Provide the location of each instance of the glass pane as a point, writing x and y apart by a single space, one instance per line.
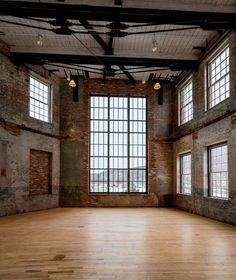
117 145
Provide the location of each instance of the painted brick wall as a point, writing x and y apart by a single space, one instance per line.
40 172
75 137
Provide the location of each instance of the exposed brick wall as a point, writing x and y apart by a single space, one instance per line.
201 116
40 172
207 128
75 138
20 134
14 94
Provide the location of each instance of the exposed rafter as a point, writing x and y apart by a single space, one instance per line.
207 20
42 58
129 76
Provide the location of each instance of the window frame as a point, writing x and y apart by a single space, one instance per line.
128 192
213 57
182 86
180 171
44 82
209 172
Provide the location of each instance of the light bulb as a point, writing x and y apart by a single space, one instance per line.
154 48
72 83
157 86
154 44
40 40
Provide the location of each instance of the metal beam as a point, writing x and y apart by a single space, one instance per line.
94 34
42 58
129 76
207 20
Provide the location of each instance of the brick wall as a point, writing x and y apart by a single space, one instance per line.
75 137
20 133
207 128
40 172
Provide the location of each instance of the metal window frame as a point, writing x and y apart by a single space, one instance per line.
128 145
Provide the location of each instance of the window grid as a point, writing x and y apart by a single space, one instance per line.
118 144
186 103
39 100
218 171
218 79
185 173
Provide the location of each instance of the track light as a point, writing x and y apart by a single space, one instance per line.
39 39
143 82
154 44
157 86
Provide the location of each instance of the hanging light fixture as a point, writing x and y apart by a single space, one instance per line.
157 86
154 44
67 76
39 39
72 83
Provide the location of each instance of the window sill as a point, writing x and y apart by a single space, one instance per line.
217 198
185 194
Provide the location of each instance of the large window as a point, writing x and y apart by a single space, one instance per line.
186 102
118 144
39 100
185 173
218 171
218 78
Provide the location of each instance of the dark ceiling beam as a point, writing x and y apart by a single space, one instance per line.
108 50
94 34
206 20
86 74
150 77
128 75
42 58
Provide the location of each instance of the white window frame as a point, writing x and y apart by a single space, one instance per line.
181 173
43 106
217 82
182 87
219 173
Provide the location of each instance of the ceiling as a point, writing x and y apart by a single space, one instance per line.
113 38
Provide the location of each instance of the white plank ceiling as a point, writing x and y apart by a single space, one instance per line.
177 44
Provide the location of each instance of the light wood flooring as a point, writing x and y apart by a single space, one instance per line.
116 243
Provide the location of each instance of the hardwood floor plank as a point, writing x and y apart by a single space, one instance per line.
116 243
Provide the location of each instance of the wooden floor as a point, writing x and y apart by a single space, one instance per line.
116 243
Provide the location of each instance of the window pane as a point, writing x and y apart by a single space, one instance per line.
185 173
39 103
117 144
218 171
218 78
186 103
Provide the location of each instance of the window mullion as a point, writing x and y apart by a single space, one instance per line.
108 145
128 143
